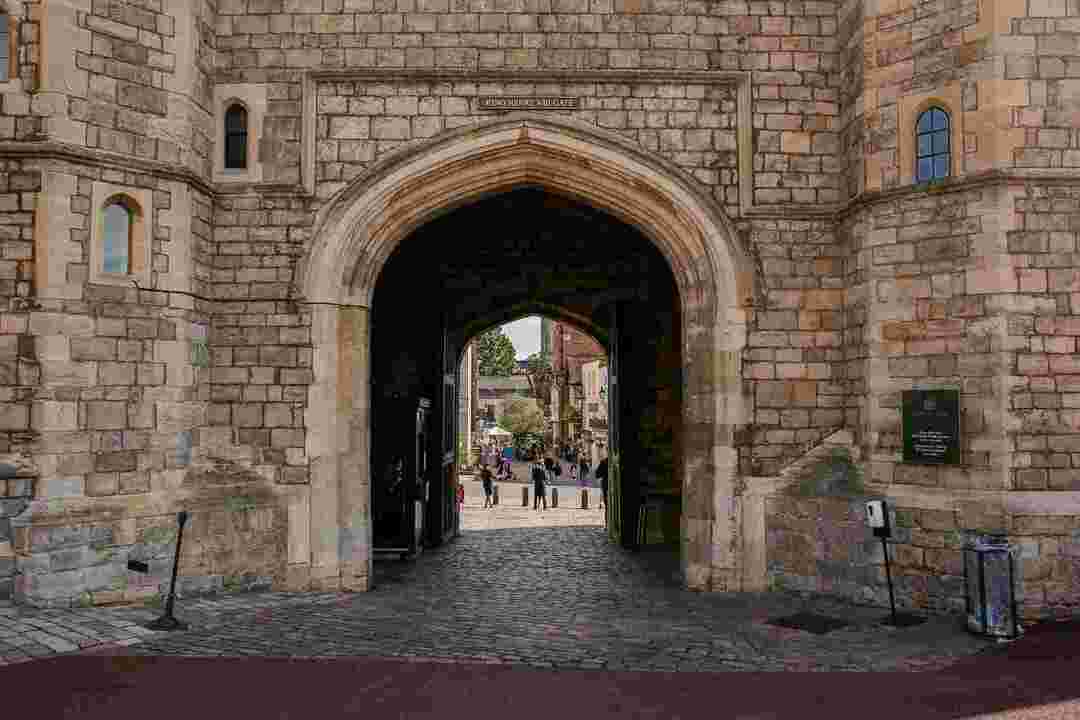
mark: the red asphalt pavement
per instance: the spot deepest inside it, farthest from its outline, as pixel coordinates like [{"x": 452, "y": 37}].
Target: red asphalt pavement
[{"x": 1037, "y": 677}]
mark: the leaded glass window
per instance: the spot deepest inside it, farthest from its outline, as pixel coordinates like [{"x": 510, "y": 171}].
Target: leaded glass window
[
  {"x": 933, "y": 154},
  {"x": 236, "y": 138},
  {"x": 5, "y": 47},
  {"x": 118, "y": 224}
]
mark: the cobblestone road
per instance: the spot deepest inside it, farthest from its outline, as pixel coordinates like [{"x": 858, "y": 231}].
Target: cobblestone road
[{"x": 544, "y": 589}]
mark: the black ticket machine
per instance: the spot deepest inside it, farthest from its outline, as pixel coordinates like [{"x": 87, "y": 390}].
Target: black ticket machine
[{"x": 400, "y": 490}]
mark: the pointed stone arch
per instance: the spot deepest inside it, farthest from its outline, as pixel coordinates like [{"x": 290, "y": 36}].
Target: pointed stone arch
[{"x": 358, "y": 229}]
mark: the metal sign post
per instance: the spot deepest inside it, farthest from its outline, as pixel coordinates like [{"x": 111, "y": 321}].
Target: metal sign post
[
  {"x": 888, "y": 579},
  {"x": 877, "y": 517},
  {"x": 168, "y": 621}
]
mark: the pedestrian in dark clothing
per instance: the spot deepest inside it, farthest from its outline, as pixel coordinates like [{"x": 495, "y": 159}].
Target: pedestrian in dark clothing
[
  {"x": 549, "y": 466},
  {"x": 488, "y": 482},
  {"x": 583, "y": 468},
  {"x": 507, "y": 456},
  {"x": 601, "y": 474},
  {"x": 539, "y": 477}
]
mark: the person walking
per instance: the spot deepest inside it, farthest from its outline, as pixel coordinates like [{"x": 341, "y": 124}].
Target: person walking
[
  {"x": 488, "y": 483},
  {"x": 601, "y": 475},
  {"x": 573, "y": 473},
  {"x": 507, "y": 458},
  {"x": 539, "y": 478}
]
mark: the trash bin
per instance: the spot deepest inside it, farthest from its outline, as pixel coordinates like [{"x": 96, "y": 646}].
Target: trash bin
[{"x": 990, "y": 585}]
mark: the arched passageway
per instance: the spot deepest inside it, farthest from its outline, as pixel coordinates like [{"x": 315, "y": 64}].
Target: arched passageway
[
  {"x": 529, "y": 248},
  {"x": 650, "y": 262}
]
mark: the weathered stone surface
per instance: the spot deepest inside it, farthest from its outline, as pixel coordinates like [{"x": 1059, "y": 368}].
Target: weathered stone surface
[{"x": 841, "y": 311}]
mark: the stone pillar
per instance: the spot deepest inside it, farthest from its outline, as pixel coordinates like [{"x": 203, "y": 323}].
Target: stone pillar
[
  {"x": 354, "y": 478},
  {"x": 320, "y": 568}
]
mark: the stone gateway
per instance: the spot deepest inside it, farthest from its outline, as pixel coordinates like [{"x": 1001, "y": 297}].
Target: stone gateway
[{"x": 234, "y": 235}]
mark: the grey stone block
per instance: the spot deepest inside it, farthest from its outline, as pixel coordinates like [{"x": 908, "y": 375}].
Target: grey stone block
[
  {"x": 10, "y": 507},
  {"x": 63, "y": 487},
  {"x": 21, "y": 487},
  {"x": 7, "y": 588},
  {"x": 45, "y": 539},
  {"x": 54, "y": 587},
  {"x": 67, "y": 559},
  {"x": 35, "y": 564},
  {"x": 201, "y": 585}
]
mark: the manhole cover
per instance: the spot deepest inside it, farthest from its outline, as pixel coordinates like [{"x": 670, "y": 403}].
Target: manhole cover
[{"x": 810, "y": 622}]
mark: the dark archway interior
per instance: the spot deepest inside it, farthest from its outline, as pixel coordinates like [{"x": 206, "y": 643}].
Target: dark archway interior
[{"x": 527, "y": 251}]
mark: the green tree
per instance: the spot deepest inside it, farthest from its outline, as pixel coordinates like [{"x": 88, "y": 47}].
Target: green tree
[
  {"x": 496, "y": 353},
  {"x": 521, "y": 415}
]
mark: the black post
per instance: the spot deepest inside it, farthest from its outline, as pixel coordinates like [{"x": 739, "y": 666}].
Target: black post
[
  {"x": 888, "y": 579},
  {"x": 167, "y": 621},
  {"x": 1012, "y": 599}
]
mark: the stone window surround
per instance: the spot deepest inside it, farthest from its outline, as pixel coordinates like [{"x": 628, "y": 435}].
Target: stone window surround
[
  {"x": 11, "y": 12},
  {"x": 253, "y": 99},
  {"x": 948, "y": 99},
  {"x": 139, "y": 264}
]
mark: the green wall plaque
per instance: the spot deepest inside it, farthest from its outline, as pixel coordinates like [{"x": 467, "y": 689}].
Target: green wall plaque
[{"x": 931, "y": 426}]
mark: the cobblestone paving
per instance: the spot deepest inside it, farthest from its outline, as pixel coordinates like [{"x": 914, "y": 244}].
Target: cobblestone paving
[{"x": 541, "y": 588}]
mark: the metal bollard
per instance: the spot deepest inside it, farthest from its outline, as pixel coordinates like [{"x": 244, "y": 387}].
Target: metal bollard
[
  {"x": 584, "y": 499},
  {"x": 525, "y": 496},
  {"x": 495, "y": 495},
  {"x": 554, "y": 497}
]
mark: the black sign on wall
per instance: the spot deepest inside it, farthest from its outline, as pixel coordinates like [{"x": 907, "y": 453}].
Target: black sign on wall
[{"x": 931, "y": 426}]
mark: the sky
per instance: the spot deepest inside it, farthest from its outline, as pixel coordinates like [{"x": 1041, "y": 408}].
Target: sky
[{"x": 525, "y": 334}]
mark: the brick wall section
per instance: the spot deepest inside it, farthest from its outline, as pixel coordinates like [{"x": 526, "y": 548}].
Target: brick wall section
[
  {"x": 693, "y": 124},
  {"x": 95, "y": 392},
  {"x": 823, "y": 545},
  {"x": 933, "y": 327},
  {"x": 1044, "y": 51},
  {"x": 1045, "y": 391},
  {"x": 131, "y": 58},
  {"x": 18, "y": 366},
  {"x": 261, "y": 342},
  {"x": 852, "y": 126},
  {"x": 910, "y": 48},
  {"x": 18, "y": 120},
  {"x": 793, "y": 56},
  {"x": 794, "y": 350},
  {"x": 908, "y": 288}
]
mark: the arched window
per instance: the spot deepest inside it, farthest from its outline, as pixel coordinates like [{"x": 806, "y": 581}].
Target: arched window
[
  {"x": 6, "y": 45},
  {"x": 236, "y": 137},
  {"x": 932, "y": 157},
  {"x": 118, "y": 223}
]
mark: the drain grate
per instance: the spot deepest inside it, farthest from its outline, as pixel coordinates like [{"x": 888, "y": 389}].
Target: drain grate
[{"x": 810, "y": 622}]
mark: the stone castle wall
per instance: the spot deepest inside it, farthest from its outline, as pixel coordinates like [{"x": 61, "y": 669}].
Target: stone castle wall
[{"x": 865, "y": 284}]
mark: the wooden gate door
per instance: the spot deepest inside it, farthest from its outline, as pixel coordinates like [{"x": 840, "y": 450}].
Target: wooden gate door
[{"x": 613, "y": 509}]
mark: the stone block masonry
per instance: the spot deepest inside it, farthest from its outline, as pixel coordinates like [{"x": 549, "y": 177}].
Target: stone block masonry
[{"x": 860, "y": 283}]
